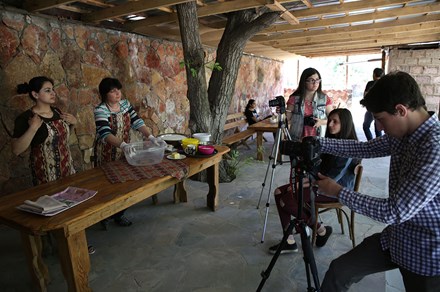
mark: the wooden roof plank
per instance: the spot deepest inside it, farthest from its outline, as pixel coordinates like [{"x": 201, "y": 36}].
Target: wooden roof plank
[
  {"x": 405, "y": 11},
  {"x": 38, "y": 5},
  {"x": 127, "y": 8}
]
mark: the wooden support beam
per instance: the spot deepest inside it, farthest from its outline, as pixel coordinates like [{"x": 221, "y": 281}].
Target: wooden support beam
[
  {"x": 128, "y": 8},
  {"x": 274, "y": 5},
  {"x": 38, "y": 5}
]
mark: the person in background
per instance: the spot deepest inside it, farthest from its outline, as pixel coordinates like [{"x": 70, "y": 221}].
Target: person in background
[
  {"x": 46, "y": 130},
  {"x": 411, "y": 240},
  {"x": 368, "y": 118},
  {"x": 308, "y": 106},
  {"x": 250, "y": 112},
  {"x": 339, "y": 126},
  {"x": 114, "y": 117}
]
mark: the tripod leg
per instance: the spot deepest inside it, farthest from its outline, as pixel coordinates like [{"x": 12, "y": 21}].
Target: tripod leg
[
  {"x": 309, "y": 260},
  {"x": 263, "y": 185},
  {"x": 266, "y": 273},
  {"x": 273, "y": 158}
]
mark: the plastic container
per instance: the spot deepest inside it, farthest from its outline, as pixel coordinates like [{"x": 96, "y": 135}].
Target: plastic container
[
  {"x": 202, "y": 137},
  {"x": 174, "y": 139},
  {"x": 188, "y": 141},
  {"x": 206, "y": 149},
  {"x": 144, "y": 152}
]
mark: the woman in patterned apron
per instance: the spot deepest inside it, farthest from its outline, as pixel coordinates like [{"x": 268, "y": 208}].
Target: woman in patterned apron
[
  {"x": 114, "y": 118},
  {"x": 46, "y": 130}
]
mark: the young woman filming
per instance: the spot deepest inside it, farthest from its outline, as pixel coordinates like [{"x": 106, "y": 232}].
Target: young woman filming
[
  {"x": 308, "y": 106},
  {"x": 340, "y": 126}
]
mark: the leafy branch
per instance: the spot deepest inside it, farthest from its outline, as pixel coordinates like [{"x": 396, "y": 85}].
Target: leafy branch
[{"x": 194, "y": 71}]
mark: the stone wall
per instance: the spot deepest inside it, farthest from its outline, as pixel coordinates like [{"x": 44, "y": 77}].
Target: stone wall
[
  {"x": 424, "y": 66},
  {"x": 77, "y": 57}
]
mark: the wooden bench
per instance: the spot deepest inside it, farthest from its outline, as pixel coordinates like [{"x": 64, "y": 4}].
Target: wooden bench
[{"x": 240, "y": 135}]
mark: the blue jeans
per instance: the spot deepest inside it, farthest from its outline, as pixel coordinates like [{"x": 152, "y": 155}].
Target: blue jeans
[
  {"x": 368, "y": 119},
  {"x": 369, "y": 258}
]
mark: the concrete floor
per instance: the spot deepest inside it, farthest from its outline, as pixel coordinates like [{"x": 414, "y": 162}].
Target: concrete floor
[{"x": 186, "y": 247}]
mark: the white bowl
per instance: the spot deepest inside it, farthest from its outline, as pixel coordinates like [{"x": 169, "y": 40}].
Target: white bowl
[
  {"x": 202, "y": 137},
  {"x": 144, "y": 152}
]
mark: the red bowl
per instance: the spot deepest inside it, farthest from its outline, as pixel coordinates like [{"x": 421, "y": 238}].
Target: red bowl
[{"x": 206, "y": 149}]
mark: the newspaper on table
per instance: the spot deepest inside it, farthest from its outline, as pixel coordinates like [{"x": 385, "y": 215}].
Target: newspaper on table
[{"x": 57, "y": 203}]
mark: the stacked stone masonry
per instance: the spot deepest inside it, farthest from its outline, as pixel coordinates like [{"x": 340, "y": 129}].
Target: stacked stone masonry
[{"x": 77, "y": 57}]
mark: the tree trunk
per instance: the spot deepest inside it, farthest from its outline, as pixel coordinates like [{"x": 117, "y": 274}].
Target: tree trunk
[
  {"x": 194, "y": 58},
  {"x": 209, "y": 107}
]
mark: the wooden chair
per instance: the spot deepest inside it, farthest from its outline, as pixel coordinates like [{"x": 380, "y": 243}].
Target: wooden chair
[{"x": 326, "y": 206}]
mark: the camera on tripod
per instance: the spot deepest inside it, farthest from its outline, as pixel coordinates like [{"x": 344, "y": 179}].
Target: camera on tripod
[
  {"x": 306, "y": 153},
  {"x": 279, "y": 102}
]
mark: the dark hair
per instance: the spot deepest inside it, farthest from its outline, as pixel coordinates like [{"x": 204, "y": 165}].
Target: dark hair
[
  {"x": 106, "y": 85},
  {"x": 301, "y": 89},
  {"x": 347, "y": 126},
  {"x": 250, "y": 102},
  {"x": 394, "y": 88},
  {"x": 35, "y": 84},
  {"x": 378, "y": 72}
]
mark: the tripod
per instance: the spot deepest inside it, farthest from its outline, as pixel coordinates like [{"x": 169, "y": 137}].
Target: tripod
[
  {"x": 298, "y": 224},
  {"x": 282, "y": 130}
]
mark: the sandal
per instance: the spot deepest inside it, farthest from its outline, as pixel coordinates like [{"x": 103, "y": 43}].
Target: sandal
[{"x": 123, "y": 221}]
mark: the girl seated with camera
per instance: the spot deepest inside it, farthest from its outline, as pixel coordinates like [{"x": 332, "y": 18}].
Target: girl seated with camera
[{"x": 340, "y": 126}]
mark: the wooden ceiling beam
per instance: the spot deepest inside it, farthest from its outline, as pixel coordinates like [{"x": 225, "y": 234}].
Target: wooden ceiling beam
[
  {"x": 307, "y": 3},
  {"x": 408, "y": 36},
  {"x": 38, "y": 5},
  {"x": 356, "y": 28},
  {"x": 348, "y": 7},
  {"x": 367, "y": 44},
  {"x": 405, "y": 11},
  {"x": 345, "y": 53},
  {"x": 274, "y": 5},
  {"x": 207, "y": 10},
  {"x": 390, "y": 31},
  {"x": 128, "y": 8}
]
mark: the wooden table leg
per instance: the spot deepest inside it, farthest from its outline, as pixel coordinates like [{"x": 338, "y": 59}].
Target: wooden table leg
[
  {"x": 37, "y": 268},
  {"x": 213, "y": 181},
  {"x": 74, "y": 258},
  {"x": 180, "y": 194},
  {"x": 260, "y": 152}
]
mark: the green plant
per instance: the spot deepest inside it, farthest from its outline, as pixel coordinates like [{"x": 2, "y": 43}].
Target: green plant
[
  {"x": 210, "y": 65},
  {"x": 235, "y": 162}
]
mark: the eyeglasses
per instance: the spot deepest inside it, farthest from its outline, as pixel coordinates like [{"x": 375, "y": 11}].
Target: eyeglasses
[{"x": 313, "y": 81}]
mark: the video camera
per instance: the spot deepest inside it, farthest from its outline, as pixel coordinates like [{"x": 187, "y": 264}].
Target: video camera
[
  {"x": 305, "y": 154},
  {"x": 279, "y": 102}
]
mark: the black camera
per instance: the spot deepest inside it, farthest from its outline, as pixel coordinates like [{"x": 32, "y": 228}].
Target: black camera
[
  {"x": 306, "y": 153},
  {"x": 279, "y": 102},
  {"x": 309, "y": 121}
]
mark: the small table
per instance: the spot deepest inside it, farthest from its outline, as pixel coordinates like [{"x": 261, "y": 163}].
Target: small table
[
  {"x": 69, "y": 226},
  {"x": 261, "y": 127}
]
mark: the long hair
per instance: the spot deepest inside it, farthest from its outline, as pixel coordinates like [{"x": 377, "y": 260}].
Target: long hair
[
  {"x": 347, "y": 126},
  {"x": 301, "y": 89},
  {"x": 35, "y": 84},
  {"x": 250, "y": 102}
]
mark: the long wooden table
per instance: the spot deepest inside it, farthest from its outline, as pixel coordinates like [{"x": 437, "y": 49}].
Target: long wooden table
[
  {"x": 69, "y": 226},
  {"x": 260, "y": 128}
]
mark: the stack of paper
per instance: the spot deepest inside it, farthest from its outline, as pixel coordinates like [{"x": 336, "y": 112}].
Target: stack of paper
[
  {"x": 44, "y": 204},
  {"x": 59, "y": 202}
]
